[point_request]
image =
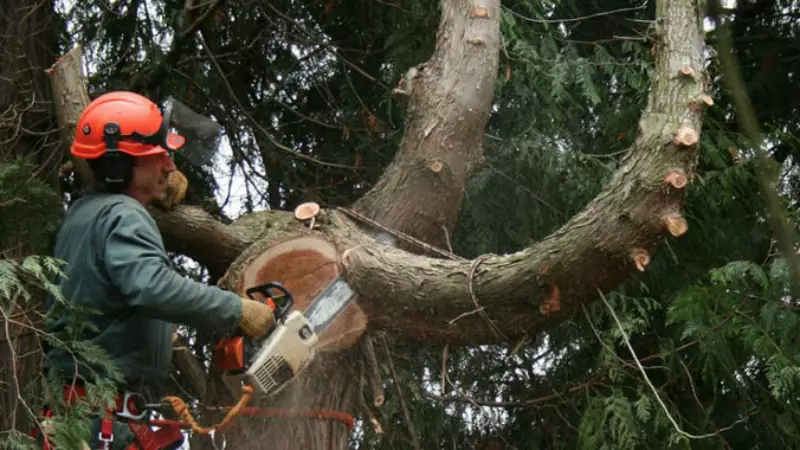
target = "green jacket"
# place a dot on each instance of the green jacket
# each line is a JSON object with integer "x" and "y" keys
{"x": 117, "y": 264}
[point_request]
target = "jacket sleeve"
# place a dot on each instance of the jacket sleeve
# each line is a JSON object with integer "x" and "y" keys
{"x": 138, "y": 265}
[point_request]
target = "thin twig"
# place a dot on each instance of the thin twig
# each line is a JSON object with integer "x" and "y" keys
{"x": 447, "y": 239}
{"x": 478, "y": 307}
{"x": 255, "y": 123}
{"x": 576, "y": 19}
{"x": 400, "y": 398}
{"x": 400, "y": 235}
{"x": 653, "y": 388}
{"x": 444, "y": 367}
{"x": 520, "y": 403}
{"x": 17, "y": 388}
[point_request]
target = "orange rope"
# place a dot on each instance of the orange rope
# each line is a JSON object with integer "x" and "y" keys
{"x": 187, "y": 421}
{"x": 182, "y": 411}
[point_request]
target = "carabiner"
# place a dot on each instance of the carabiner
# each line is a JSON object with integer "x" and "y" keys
{"x": 211, "y": 435}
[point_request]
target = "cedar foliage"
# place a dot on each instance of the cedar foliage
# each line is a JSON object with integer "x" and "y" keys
{"x": 713, "y": 318}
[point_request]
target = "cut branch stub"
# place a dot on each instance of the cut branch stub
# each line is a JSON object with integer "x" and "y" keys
{"x": 686, "y": 136}
{"x": 306, "y": 265}
{"x": 676, "y": 178}
{"x": 687, "y": 71}
{"x": 676, "y": 224}
{"x": 706, "y": 99}
{"x": 437, "y": 166}
{"x": 307, "y": 211}
{"x": 641, "y": 258}
{"x": 479, "y": 12}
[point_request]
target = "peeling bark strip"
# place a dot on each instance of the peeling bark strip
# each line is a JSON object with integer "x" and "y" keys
{"x": 421, "y": 192}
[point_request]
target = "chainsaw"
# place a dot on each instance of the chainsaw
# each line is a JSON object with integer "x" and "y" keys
{"x": 269, "y": 364}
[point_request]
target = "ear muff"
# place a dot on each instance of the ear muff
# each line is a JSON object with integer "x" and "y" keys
{"x": 114, "y": 169}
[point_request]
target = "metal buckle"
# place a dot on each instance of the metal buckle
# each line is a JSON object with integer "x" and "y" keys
{"x": 141, "y": 406}
{"x": 106, "y": 441}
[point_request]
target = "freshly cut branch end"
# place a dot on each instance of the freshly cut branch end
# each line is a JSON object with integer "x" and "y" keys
{"x": 686, "y": 71}
{"x": 706, "y": 99}
{"x": 676, "y": 224}
{"x": 686, "y": 136}
{"x": 640, "y": 258}
{"x": 479, "y": 12}
{"x": 306, "y": 211}
{"x": 552, "y": 303}
{"x": 676, "y": 178}
{"x": 437, "y": 166}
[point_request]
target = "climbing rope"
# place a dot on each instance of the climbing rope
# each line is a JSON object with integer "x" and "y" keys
{"x": 182, "y": 411}
{"x": 240, "y": 409}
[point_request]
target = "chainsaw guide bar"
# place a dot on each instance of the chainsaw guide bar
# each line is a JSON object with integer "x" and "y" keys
{"x": 330, "y": 304}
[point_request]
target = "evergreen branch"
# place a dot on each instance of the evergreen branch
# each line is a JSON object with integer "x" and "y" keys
{"x": 677, "y": 427}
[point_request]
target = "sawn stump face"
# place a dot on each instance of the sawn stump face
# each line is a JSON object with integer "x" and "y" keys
{"x": 305, "y": 266}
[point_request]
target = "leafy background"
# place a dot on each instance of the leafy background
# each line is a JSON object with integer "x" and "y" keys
{"x": 303, "y": 91}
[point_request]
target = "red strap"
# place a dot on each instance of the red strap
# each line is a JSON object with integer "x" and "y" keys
{"x": 106, "y": 436}
{"x": 154, "y": 440}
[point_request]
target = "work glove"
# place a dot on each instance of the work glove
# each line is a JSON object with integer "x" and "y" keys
{"x": 257, "y": 319}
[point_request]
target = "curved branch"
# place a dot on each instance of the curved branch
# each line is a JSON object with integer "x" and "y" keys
{"x": 523, "y": 292}
{"x": 450, "y": 99}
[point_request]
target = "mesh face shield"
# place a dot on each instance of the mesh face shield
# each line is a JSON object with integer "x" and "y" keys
{"x": 196, "y": 136}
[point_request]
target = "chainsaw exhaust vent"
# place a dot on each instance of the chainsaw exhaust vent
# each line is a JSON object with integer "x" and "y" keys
{"x": 275, "y": 372}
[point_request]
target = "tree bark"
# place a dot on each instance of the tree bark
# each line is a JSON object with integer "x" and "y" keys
{"x": 493, "y": 298}
{"x": 421, "y": 192}
{"x": 27, "y": 129}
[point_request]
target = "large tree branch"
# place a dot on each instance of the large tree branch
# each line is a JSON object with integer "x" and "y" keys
{"x": 450, "y": 97}
{"x": 524, "y": 292}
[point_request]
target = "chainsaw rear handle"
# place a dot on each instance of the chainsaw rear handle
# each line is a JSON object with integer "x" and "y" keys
{"x": 283, "y": 302}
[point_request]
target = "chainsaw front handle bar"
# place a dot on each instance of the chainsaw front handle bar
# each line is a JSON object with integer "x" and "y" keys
{"x": 281, "y": 304}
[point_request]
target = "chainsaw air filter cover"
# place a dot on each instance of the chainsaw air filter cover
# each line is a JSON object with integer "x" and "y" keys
{"x": 285, "y": 353}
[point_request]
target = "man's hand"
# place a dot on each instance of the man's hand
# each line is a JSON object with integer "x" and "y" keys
{"x": 257, "y": 319}
{"x": 176, "y": 191}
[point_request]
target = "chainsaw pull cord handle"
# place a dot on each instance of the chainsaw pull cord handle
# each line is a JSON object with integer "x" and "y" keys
{"x": 182, "y": 410}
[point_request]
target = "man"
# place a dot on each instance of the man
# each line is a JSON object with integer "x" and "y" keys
{"x": 117, "y": 264}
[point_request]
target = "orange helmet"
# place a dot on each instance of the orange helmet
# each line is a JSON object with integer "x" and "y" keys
{"x": 123, "y": 121}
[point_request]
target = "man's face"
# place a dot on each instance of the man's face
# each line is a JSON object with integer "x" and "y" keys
{"x": 150, "y": 175}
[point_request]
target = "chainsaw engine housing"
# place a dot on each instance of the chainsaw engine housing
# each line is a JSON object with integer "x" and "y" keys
{"x": 285, "y": 353}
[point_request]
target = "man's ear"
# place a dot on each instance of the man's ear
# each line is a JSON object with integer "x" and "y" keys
{"x": 176, "y": 191}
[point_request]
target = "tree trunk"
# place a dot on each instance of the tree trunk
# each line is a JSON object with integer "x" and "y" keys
{"x": 27, "y": 129}
{"x": 494, "y": 298}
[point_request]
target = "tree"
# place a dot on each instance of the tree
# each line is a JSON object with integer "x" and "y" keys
{"x": 30, "y": 152}
{"x": 494, "y": 298}
{"x": 304, "y": 93}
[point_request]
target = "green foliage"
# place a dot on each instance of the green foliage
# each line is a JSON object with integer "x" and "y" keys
{"x": 713, "y": 319}
{"x": 21, "y": 284}
{"x": 34, "y": 206}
